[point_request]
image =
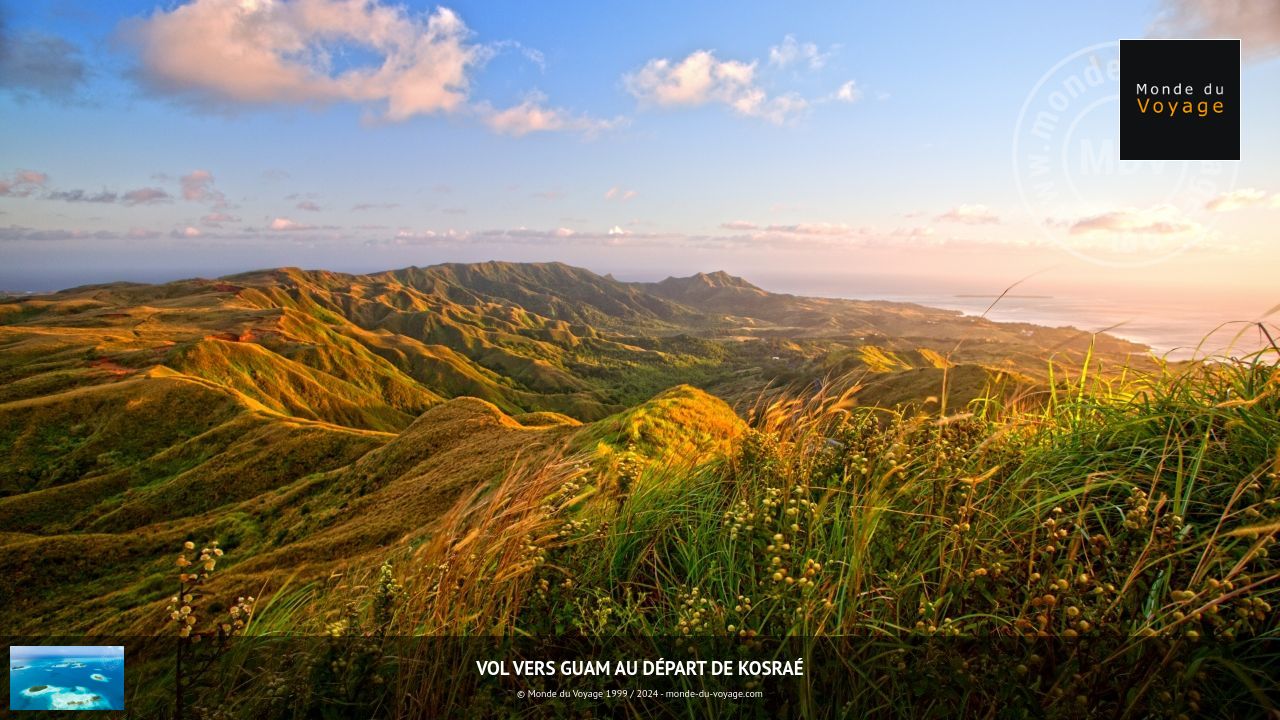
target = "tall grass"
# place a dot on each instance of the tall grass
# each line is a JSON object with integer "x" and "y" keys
{"x": 1119, "y": 507}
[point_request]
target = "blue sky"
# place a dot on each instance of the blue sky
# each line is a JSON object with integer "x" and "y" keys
{"x": 65, "y": 651}
{"x": 868, "y": 141}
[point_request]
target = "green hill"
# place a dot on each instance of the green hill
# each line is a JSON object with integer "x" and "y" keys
{"x": 310, "y": 418}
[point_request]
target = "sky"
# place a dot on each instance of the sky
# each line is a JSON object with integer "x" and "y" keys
{"x": 851, "y": 149}
{"x": 65, "y": 651}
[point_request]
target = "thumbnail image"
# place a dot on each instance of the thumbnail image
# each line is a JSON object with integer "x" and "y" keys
{"x": 66, "y": 677}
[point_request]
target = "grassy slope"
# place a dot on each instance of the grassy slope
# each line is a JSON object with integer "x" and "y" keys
{"x": 301, "y": 417}
{"x": 76, "y": 552}
{"x": 1128, "y": 493}
{"x": 1113, "y": 510}
{"x": 289, "y": 497}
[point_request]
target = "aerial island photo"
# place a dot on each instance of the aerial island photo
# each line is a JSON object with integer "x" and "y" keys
{"x": 56, "y": 677}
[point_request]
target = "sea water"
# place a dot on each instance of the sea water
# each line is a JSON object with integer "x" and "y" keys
{"x": 66, "y": 683}
{"x": 1173, "y": 331}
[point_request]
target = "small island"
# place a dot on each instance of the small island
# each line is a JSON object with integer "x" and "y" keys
{"x": 74, "y": 702}
{"x": 37, "y": 688}
{"x": 99, "y": 677}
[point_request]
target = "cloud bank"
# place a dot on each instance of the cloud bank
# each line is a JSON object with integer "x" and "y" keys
{"x": 294, "y": 52}
{"x": 701, "y": 78}
{"x": 35, "y": 64}
{"x": 1255, "y": 22}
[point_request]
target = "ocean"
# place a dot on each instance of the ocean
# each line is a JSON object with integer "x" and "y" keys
{"x": 50, "y": 682}
{"x": 1174, "y": 331}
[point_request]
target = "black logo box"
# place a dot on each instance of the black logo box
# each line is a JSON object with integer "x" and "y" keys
{"x": 1186, "y": 65}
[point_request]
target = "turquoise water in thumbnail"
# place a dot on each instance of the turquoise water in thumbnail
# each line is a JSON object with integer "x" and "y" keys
{"x": 66, "y": 678}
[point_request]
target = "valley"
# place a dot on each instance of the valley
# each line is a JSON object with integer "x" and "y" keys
{"x": 307, "y": 419}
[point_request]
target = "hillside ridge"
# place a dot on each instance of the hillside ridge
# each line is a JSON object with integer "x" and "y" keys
{"x": 308, "y": 417}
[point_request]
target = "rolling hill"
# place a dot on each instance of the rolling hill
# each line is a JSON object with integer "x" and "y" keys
{"x": 310, "y": 418}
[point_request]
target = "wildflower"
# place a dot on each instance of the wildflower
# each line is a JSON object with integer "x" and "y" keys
{"x": 188, "y": 545}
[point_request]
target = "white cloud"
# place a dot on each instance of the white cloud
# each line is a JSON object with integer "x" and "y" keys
{"x": 532, "y": 115}
{"x": 849, "y": 92}
{"x": 739, "y": 225}
{"x": 1242, "y": 198}
{"x": 701, "y": 78}
{"x": 617, "y": 231}
{"x": 286, "y": 224}
{"x": 270, "y": 52}
{"x": 617, "y": 193}
{"x": 197, "y": 186}
{"x": 22, "y": 183}
{"x": 970, "y": 215}
{"x": 791, "y": 52}
{"x": 1255, "y": 22}
{"x": 915, "y": 232}
{"x": 281, "y": 52}
{"x": 217, "y": 219}
{"x": 190, "y": 232}
{"x": 1157, "y": 220}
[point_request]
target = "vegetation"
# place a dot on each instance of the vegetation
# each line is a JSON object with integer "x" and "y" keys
{"x": 1112, "y": 514}
{"x": 517, "y": 452}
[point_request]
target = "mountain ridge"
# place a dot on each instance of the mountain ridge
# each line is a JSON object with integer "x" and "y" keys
{"x": 268, "y": 408}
